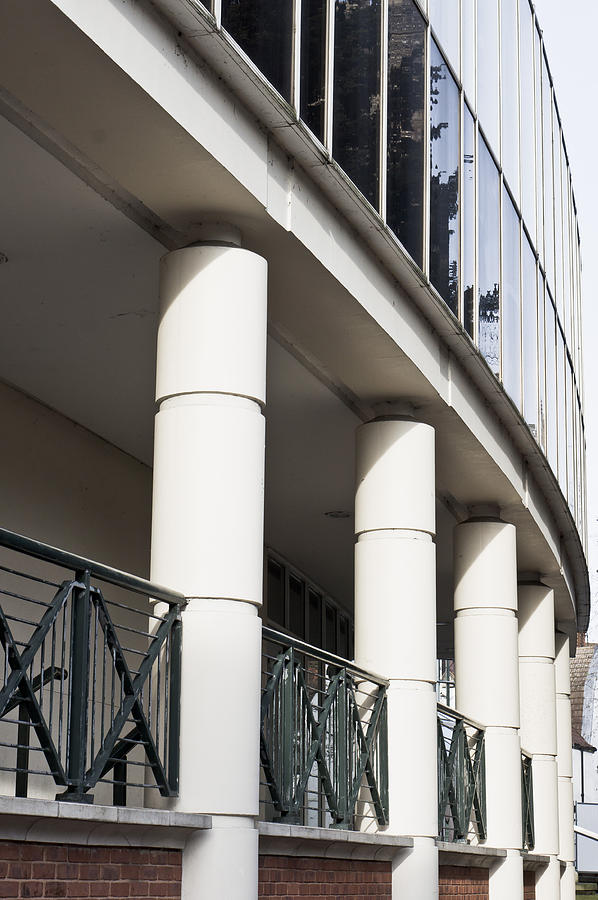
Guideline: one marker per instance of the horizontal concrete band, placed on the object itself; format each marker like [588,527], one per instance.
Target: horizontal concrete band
[299,840]
[53,822]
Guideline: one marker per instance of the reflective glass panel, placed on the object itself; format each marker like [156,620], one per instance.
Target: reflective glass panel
[468,207]
[276,602]
[489,259]
[551,406]
[511,321]
[296,606]
[487,69]
[329,628]
[567,303]
[444,181]
[548,180]
[313,64]
[406,123]
[468,48]
[529,321]
[444,18]
[539,155]
[561,410]
[558,223]
[315,619]
[570,439]
[510,94]
[541,363]
[355,141]
[264,30]
[528,145]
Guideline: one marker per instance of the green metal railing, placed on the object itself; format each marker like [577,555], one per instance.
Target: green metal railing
[89,677]
[461,778]
[527,802]
[323,738]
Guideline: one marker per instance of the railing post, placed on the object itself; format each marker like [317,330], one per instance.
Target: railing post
[23,738]
[174,705]
[79,691]
[341,749]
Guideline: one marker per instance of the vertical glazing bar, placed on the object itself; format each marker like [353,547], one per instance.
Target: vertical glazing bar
[427,167]
[329,80]
[79,688]
[173,722]
[296,65]
[383,149]
[217,12]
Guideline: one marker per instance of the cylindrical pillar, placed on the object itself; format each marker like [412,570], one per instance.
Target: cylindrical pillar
[487,679]
[538,722]
[207,542]
[564,765]
[395,626]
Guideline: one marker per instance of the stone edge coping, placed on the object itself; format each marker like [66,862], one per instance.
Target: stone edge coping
[533,861]
[303,840]
[56,822]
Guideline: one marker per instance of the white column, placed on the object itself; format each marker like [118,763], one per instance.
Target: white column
[207,542]
[538,723]
[564,765]
[487,678]
[395,626]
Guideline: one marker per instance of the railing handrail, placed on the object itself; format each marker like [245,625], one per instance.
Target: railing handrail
[45,552]
[324,655]
[448,710]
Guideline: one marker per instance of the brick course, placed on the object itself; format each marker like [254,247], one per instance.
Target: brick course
[34,870]
[344,879]
[529,886]
[462,881]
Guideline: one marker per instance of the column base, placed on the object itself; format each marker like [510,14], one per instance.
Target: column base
[548,881]
[415,872]
[222,862]
[506,878]
[568,881]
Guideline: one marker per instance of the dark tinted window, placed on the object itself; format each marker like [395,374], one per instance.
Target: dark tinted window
[444,181]
[406,101]
[264,29]
[356,122]
[313,65]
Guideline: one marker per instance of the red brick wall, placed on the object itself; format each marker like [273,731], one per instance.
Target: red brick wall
[344,879]
[90,873]
[463,881]
[529,886]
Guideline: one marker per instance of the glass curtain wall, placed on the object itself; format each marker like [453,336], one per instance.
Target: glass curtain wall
[454,117]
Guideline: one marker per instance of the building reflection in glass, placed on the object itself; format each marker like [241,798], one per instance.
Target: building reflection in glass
[356,113]
[406,125]
[444,181]
[488,259]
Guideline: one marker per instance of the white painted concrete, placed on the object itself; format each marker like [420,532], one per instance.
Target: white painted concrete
[487,682]
[564,760]
[395,608]
[538,720]
[207,540]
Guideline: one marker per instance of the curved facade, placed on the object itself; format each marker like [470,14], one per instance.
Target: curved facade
[291,325]
[444,116]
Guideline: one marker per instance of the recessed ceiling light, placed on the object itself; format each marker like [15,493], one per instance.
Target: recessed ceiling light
[338,514]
